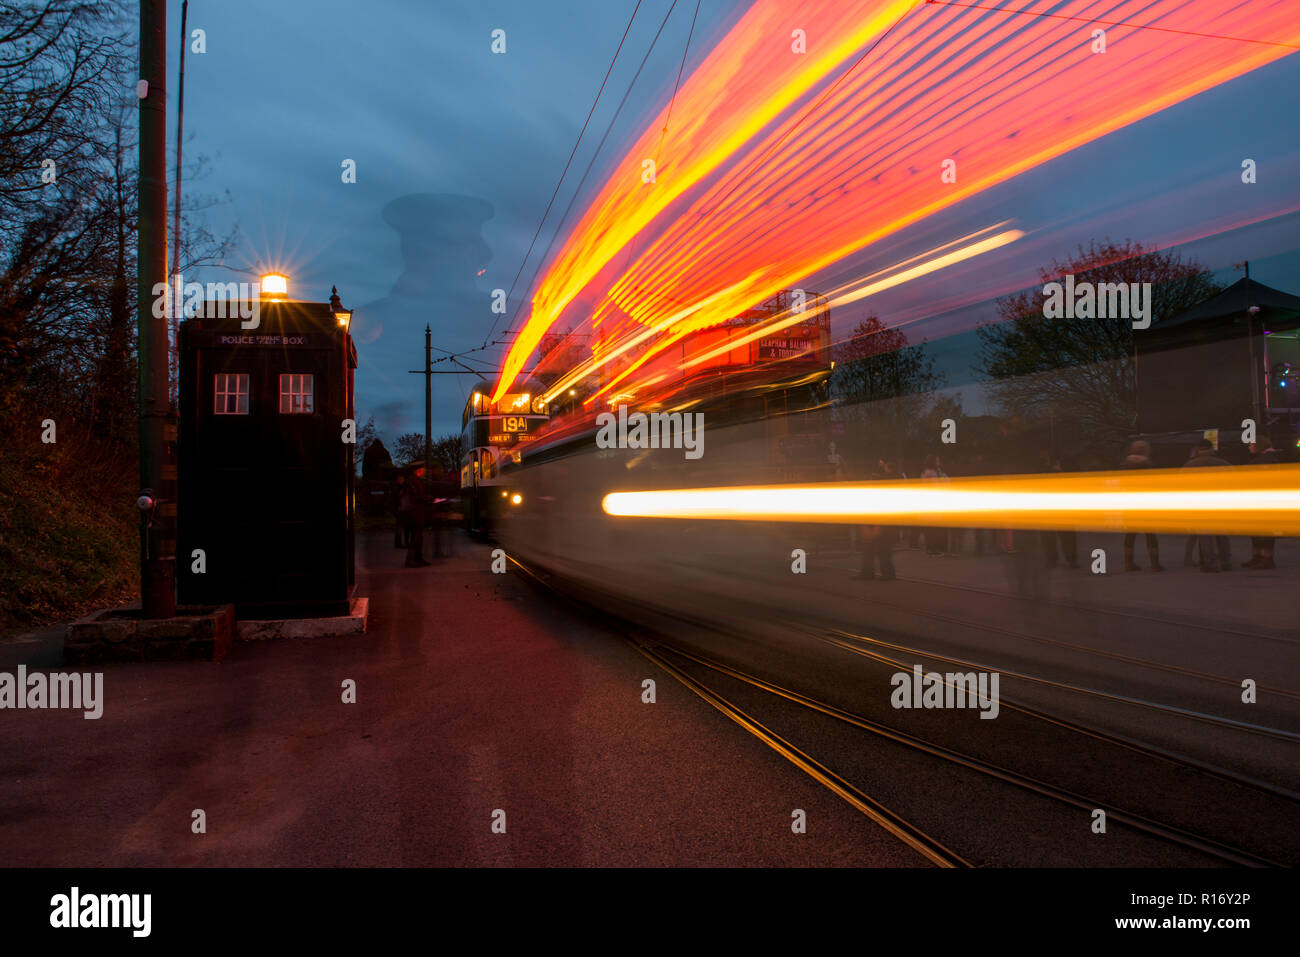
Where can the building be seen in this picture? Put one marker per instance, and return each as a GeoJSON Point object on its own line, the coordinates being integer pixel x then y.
{"type": "Point", "coordinates": [265, 494]}
{"type": "Point", "coordinates": [1225, 360]}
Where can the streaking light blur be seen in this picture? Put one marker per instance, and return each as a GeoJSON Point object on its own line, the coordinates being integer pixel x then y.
{"type": "Point", "coordinates": [1263, 500]}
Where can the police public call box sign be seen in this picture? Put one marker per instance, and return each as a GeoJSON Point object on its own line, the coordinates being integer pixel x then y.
{"type": "Point", "coordinates": [304, 340]}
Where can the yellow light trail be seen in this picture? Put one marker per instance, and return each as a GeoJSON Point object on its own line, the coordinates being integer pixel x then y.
{"type": "Point", "coordinates": [1260, 500]}
{"type": "Point", "coordinates": [860, 289]}
{"type": "Point", "coordinates": [705, 139]}
{"type": "Point", "coordinates": [631, 341]}
{"type": "Point", "coordinates": [762, 175]}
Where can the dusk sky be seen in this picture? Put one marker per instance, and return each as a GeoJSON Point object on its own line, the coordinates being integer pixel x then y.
{"type": "Point", "coordinates": [845, 413]}
{"type": "Point", "coordinates": [458, 149]}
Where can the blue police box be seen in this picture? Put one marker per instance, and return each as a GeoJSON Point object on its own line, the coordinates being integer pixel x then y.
{"type": "Point", "coordinates": [265, 500]}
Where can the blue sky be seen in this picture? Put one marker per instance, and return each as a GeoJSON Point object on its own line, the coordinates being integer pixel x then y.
{"type": "Point", "coordinates": [457, 151]}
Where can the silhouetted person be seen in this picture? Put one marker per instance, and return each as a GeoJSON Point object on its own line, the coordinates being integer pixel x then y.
{"type": "Point", "coordinates": [1139, 457]}
{"type": "Point", "coordinates": [413, 502]}
{"type": "Point", "coordinates": [878, 545]}
{"type": "Point", "coordinates": [1203, 457]}
{"type": "Point", "coordinates": [936, 539]}
{"type": "Point", "coordinates": [1018, 456]}
{"type": "Point", "coordinates": [1279, 450]}
{"type": "Point", "coordinates": [1067, 538]}
{"type": "Point", "coordinates": [985, 538]}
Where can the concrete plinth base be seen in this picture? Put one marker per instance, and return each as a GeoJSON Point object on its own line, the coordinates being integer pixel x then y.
{"type": "Point", "coordinates": [353, 623]}
{"type": "Point", "coordinates": [120, 634]}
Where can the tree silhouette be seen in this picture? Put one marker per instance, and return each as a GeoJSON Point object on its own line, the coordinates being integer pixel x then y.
{"type": "Point", "coordinates": [883, 387]}
{"type": "Point", "coordinates": [1081, 372]}
{"type": "Point", "coordinates": [409, 448]}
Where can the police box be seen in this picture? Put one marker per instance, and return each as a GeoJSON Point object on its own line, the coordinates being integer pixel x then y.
{"type": "Point", "coordinates": [265, 511]}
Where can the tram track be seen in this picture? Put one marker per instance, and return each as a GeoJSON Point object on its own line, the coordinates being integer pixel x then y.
{"type": "Point", "coordinates": [1166, 709]}
{"type": "Point", "coordinates": [703, 674]}
{"type": "Point", "coordinates": [1093, 608]}
{"type": "Point", "coordinates": [1092, 730]}
{"type": "Point", "coordinates": [923, 843]}
{"type": "Point", "coordinates": [1026, 782]}
{"type": "Point", "coordinates": [1074, 647]}
{"type": "Point", "coordinates": [1084, 649]}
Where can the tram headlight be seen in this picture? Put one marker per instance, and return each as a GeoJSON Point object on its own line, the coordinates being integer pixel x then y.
{"type": "Point", "coordinates": [516, 499]}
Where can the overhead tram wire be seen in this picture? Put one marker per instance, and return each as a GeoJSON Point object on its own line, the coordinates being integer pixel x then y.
{"type": "Point", "coordinates": [676, 86]}
{"type": "Point", "coordinates": [764, 155]}
{"type": "Point", "coordinates": [608, 129]}
{"type": "Point", "coordinates": [627, 261]}
{"type": "Point", "coordinates": [568, 163]}
{"type": "Point", "coordinates": [1111, 23]}
{"type": "Point", "coordinates": [829, 90]}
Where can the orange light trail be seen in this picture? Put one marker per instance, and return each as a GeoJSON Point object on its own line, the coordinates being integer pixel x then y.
{"type": "Point", "coordinates": [704, 137]}
{"type": "Point", "coordinates": [917, 266]}
{"type": "Point", "coordinates": [632, 340]}
{"type": "Point", "coordinates": [1263, 500]}
{"type": "Point", "coordinates": [756, 192]}
{"type": "Point", "coordinates": [852, 292]}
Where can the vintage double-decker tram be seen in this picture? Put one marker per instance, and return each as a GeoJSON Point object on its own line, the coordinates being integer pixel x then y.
{"type": "Point", "coordinates": [492, 434]}
{"type": "Point", "coordinates": [758, 387]}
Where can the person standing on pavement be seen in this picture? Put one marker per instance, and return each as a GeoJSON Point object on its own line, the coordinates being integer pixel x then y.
{"type": "Point", "coordinates": [1261, 547]}
{"type": "Point", "coordinates": [877, 543]}
{"type": "Point", "coordinates": [1203, 457]}
{"type": "Point", "coordinates": [414, 511]}
{"type": "Point", "coordinates": [1066, 538]}
{"type": "Point", "coordinates": [936, 539]}
{"type": "Point", "coordinates": [1139, 457]}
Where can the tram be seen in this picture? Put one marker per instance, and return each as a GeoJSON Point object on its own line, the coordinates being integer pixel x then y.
{"type": "Point", "coordinates": [493, 433]}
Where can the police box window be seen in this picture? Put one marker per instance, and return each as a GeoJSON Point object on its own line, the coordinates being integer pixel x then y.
{"type": "Point", "coordinates": [295, 393]}
{"type": "Point", "coordinates": [230, 393]}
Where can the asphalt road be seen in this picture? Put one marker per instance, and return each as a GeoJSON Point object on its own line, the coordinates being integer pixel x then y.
{"type": "Point", "coordinates": [474, 693]}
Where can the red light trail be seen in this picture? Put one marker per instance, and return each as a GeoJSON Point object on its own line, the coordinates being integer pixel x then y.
{"type": "Point", "coordinates": [756, 192]}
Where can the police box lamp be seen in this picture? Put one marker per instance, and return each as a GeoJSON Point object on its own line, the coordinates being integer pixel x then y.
{"type": "Point", "coordinates": [274, 286]}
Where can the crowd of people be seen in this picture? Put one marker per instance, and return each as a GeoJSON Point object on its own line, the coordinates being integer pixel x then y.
{"type": "Point", "coordinates": [1209, 552]}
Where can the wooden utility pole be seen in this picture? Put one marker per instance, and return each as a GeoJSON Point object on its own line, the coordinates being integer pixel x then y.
{"type": "Point", "coordinates": [428, 402]}
{"type": "Point", "coordinates": [1255, 372]}
{"type": "Point", "coordinates": [175, 332]}
{"type": "Point", "coordinates": [157, 500]}
{"type": "Point", "coordinates": [428, 373]}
